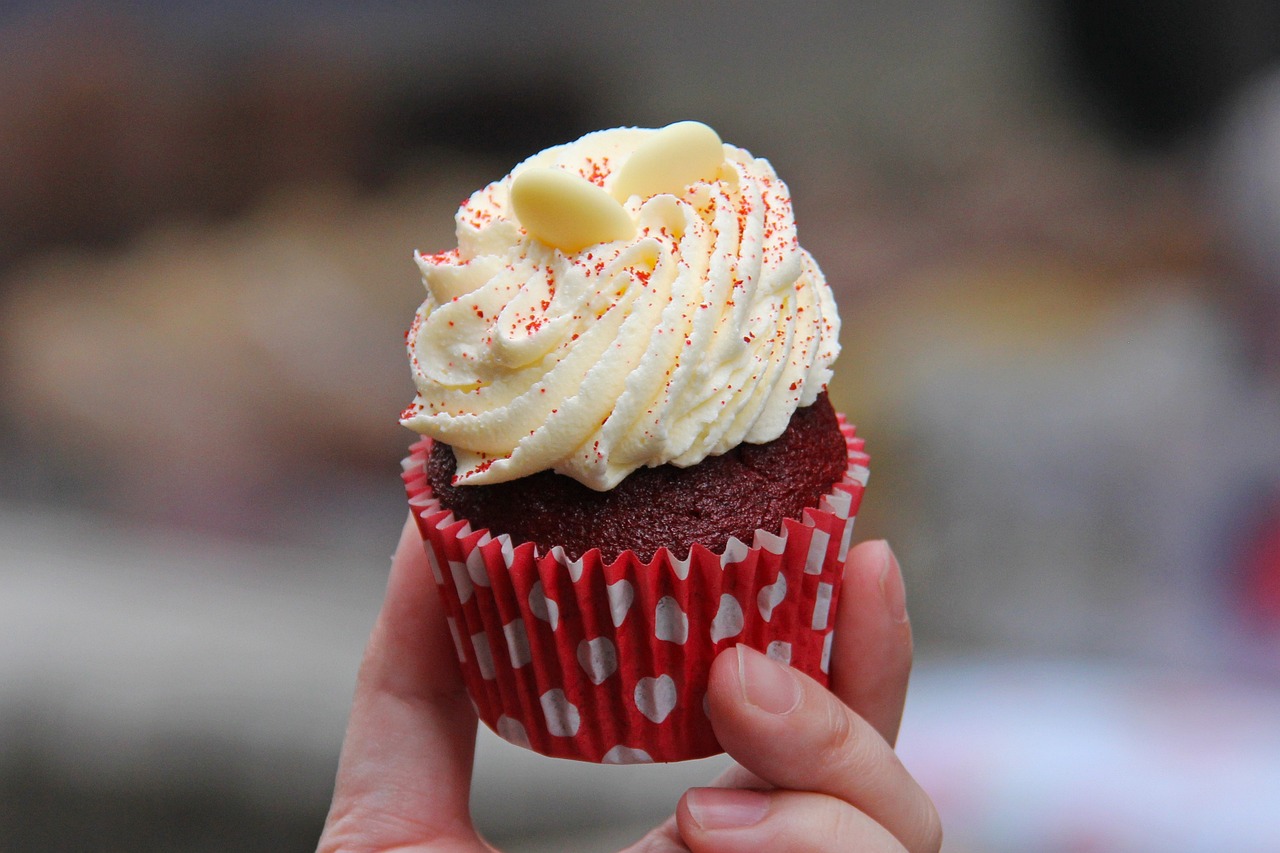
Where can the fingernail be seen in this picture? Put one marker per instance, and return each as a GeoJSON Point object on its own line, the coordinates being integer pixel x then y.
{"type": "Point", "coordinates": [767, 684]}
{"type": "Point", "coordinates": [891, 588]}
{"type": "Point", "coordinates": [726, 808]}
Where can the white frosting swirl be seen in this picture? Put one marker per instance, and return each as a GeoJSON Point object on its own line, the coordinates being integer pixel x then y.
{"type": "Point", "coordinates": [706, 328]}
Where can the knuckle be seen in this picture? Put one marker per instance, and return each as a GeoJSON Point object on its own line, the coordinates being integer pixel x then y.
{"type": "Point", "coordinates": [846, 743]}
{"type": "Point", "coordinates": [837, 825]}
{"type": "Point", "coordinates": [930, 828]}
{"type": "Point", "coordinates": [842, 827]}
{"type": "Point", "coordinates": [909, 643]}
{"type": "Point", "coordinates": [840, 730]}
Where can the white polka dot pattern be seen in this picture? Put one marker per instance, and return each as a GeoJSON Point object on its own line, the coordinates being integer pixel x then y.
{"type": "Point", "coordinates": [512, 730]}
{"type": "Point", "coordinates": [817, 553]}
{"type": "Point", "coordinates": [822, 606]}
{"type": "Point", "coordinates": [680, 567]}
{"type": "Point", "coordinates": [780, 651]}
{"type": "Point", "coordinates": [770, 542]}
{"type": "Point", "coordinates": [734, 552]}
{"type": "Point", "coordinates": [626, 755]}
{"type": "Point", "coordinates": [517, 642]}
{"type": "Point", "coordinates": [461, 581]}
{"type": "Point", "coordinates": [670, 623]}
{"type": "Point", "coordinates": [656, 697]}
{"type": "Point", "coordinates": [562, 715]}
{"type": "Point", "coordinates": [729, 621]}
{"type": "Point", "coordinates": [771, 596]}
{"type": "Point", "coordinates": [608, 662]}
{"type": "Point", "coordinates": [598, 658]}
{"type": "Point", "coordinates": [435, 565]}
{"type": "Point", "coordinates": [484, 656]}
{"type": "Point", "coordinates": [476, 569]}
{"type": "Point", "coordinates": [542, 607]}
{"type": "Point", "coordinates": [846, 539]}
{"type": "Point", "coordinates": [621, 596]}
{"type": "Point", "coordinates": [457, 639]}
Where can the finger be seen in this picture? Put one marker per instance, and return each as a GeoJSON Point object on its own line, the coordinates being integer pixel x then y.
{"type": "Point", "coordinates": [728, 820]}
{"type": "Point", "coordinates": [784, 727]}
{"type": "Point", "coordinates": [405, 772]}
{"type": "Point", "coordinates": [871, 655]}
{"type": "Point", "coordinates": [871, 652]}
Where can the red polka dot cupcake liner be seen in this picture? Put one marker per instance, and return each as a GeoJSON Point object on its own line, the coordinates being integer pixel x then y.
{"type": "Point", "coordinates": [608, 662]}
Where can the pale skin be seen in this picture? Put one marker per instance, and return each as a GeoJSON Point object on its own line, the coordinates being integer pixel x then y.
{"type": "Point", "coordinates": [815, 769]}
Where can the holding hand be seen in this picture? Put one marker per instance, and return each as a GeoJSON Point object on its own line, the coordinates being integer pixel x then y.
{"type": "Point", "coordinates": [815, 769]}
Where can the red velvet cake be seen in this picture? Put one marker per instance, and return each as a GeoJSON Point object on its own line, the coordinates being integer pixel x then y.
{"type": "Point", "coordinates": [752, 486]}
{"type": "Point", "coordinates": [629, 463]}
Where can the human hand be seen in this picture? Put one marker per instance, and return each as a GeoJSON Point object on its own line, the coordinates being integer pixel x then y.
{"type": "Point", "coordinates": [815, 769]}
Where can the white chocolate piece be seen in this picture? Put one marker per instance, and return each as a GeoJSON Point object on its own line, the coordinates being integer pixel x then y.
{"type": "Point", "coordinates": [670, 160]}
{"type": "Point", "coordinates": [566, 211]}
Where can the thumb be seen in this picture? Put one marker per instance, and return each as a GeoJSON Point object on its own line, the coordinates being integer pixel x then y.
{"type": "Point", "coordinates": [404, 778]}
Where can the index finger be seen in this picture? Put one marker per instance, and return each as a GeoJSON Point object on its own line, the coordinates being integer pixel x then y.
{"type": "Point", "coordinates": [872, 649]}
{"type": "Point", "coordinates": [790, 732]}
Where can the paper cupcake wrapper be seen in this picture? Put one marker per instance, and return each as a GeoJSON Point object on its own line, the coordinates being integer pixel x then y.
{"type": "Point", "coordinates": [609, 663]}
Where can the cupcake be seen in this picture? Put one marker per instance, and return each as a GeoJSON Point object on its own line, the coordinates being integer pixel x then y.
{"type": "Point", "coordinates": [629, 462]}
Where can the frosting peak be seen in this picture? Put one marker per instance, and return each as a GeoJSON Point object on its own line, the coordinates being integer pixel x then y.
{"type": "Point", "coordinates": [633, 298]}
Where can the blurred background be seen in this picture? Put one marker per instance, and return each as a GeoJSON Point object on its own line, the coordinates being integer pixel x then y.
{"type": "Point", "coordinates": [1053, 229]}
